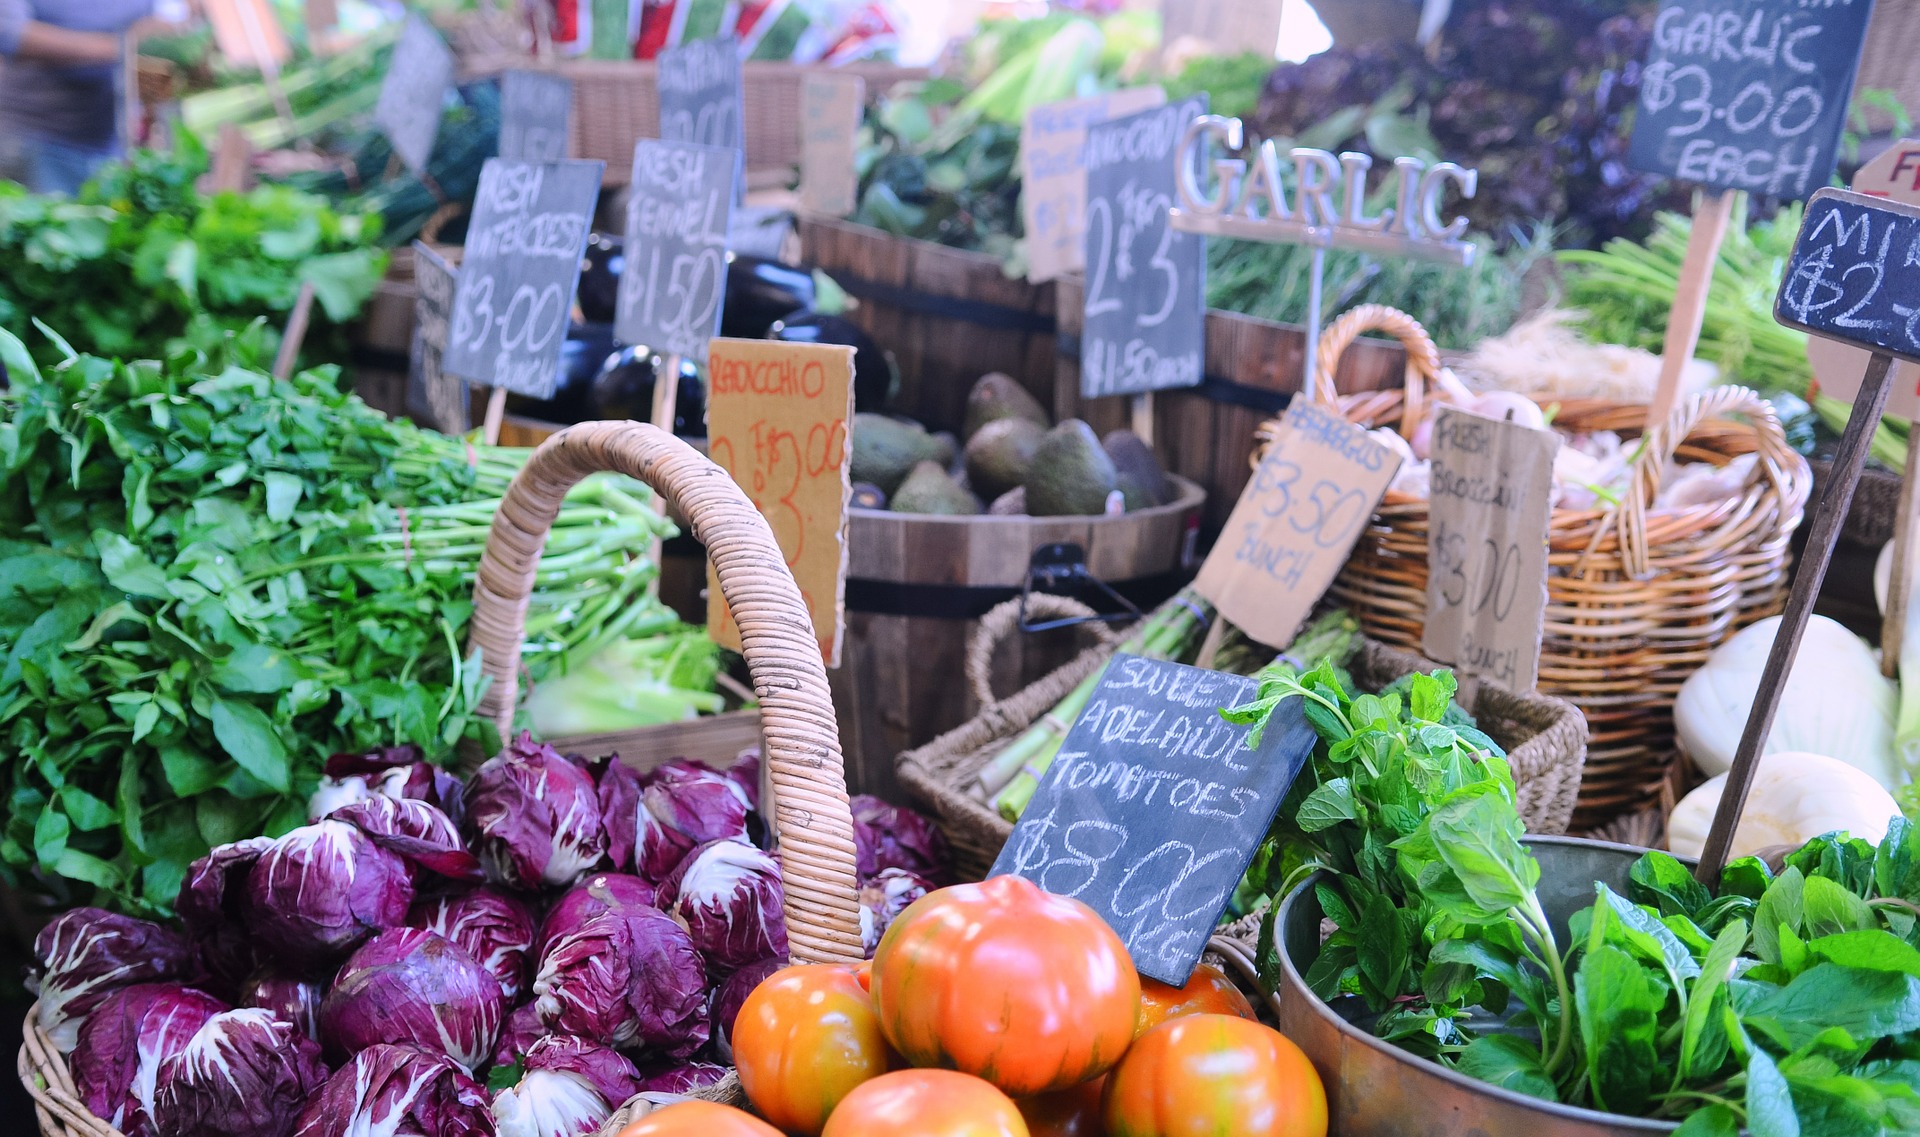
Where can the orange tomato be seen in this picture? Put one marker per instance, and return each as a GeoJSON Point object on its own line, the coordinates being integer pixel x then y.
{"type": "Point", "coordinates": [699, 1119]}
{"type": "Point", "coordinates": [803, 1040]}
{"type": "Point", "coordinates": [1031, 991]}
{"type": "Point", "coordinates": [926, 1103]}
{"type": "Point", "coordinates": [1201, 1075]}
{"type": "Point", "coordinates": [1072, 1112]}
{"type": "Point", "coordinates": [1208, 992]}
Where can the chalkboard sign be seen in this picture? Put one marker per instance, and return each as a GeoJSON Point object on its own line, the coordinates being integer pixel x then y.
{"type": "Point", "coordinates": [534, 108]}
{"type": "Point", "coordinates": [1053, 175]}
{"type": "Point", "coordinates": [676, 252]}
{"type": "Point", "coordinates": [434, 398]}
{"type": "Point", "coordinates": [1855, 273]}
{"type": "Point", "coordinates": [414, 93]}
{"type": "Point", "coordinates": [1745, 95]}
{"type": "Point", "coordinates": [522, 260]}
{"type": "Point", "coordinates": [1146, 305]}
{"type": "Point", "coordinates": [1153, 808]}
{"type": "Point", "coordinates": [701, 94]}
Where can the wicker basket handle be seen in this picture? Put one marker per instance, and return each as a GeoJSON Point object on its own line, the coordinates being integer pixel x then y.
{"type": "Point", "coordinates": [1423, 358]}
{"type": "Point", "coordinates": [802, 741]}
{"type": "Point", "coordinates": [1004, 619]}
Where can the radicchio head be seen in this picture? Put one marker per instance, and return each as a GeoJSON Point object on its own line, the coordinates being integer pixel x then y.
{"type": "Point", "coordinates": [889, 837]}
{"type": "Point", "coordinates": [323, 889]}
{"type": "Point", "coordinates": [126, 1039]}
{"type": "Point", "coordinates": [494, 927]}
{"type": "Point", "coordinates": [684, 805]}
{"type": "Point", "coordinates": [682, 1079]}
{"type": "Point", "coordinates": [731, 995]}
{"type": "Point", "coordinates": [729, 896]}
{"type": "Point", "coordinates": [88, 953]}
{"type": "Point", "coordinates": [213, 909]}
{"type": "Point", "coordinates": [243, 1074]}
{"type": "Point", "coordinates": [391, 771]}
{"type": "Point", "coordinates": [522, 1029]}
{"type": "Point", "coordinates": [591, 897]}
{"type": "Point", "coordinates": [533, 816]}
{"type": "Point", "coordinates": [628, 977]}
{"type": "Point", "coordinates": [295, 1001]}
{"type": "Point", "coordinates": [415, 830]}
{"type": "Point", "coordinates": [883, 898]}
{"type": "Point", "coordinates": [398, 1090]}
{"type": "Point", "coordinates": [409, 985]}
{"type": "Point", "coordinates": [569, 1087]}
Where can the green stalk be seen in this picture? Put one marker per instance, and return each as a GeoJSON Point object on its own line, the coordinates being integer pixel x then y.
{"type": "Point", "coordinates": [1534, 921]}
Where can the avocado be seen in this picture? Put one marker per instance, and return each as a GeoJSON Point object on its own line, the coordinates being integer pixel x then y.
{"type": "Point", "coordinates": [1000, 454]}
{"type": "Point", "coordinates": [997, 396]}
{"type": "Point", "coordinates": [948, 454]}
{"type": "Point", "coordinates": [928, 489]}
{"type": "Point", "coordinates": [1142, 480]}
{"type": "Point", "coordinates": [1013, 503]}
{"type": "Point", "coordinates": [1071, 474]}
{"type": "Point", "coordinates": [885, 449]}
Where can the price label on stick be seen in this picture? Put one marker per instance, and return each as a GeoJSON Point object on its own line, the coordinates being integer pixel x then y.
{"type": "Point", "coordinates": [830, 110]}
{"type": "Point", "coordinates": [522, 260]}
{"type": "Point", "coordinates": [675, 278]}
{"type": "Point", "coordinates": [1146, 305]}
{"type": "Point", "coordinates": [1152, 809]}
{"type": "Point", "coordinates": [1746, 95]}
{"type": "Point", "coordinates": [434, 398]}
{"type": "Point", "coordinates": [701, 94]}
{"type": "Point", "coordinates": [1487, 562]}
{"type": "Point", "coordinates": [1295, 523]}
{"type": "Point", "coordinates": [1053, 175]}
{"type": "Point", "coordinates": [1854, 275]}
{"type": "Point", "coordinates": [414, 92]}
{"type": "Point", "coordinates": [777, 421]}
{"type": "Point", "coordinates": [534, 111]}
{"type": "Point", "coordinates": [1837, 367]}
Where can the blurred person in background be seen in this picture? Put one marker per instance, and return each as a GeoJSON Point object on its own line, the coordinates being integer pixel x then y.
{"type": "Point", "coordinates": [60, 96]}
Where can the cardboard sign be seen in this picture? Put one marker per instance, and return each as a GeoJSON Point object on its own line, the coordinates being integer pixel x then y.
{"type": "Point", "coordinates": [1053, 175]}
{"type": "Point", "coordinates": [1296, 522]}
{"type": "Point", "coordinates": [676, 251]}
{"type": "Point", "coordinates": [1492, 500]}
{"type": "Point", "coordinates": [1854, 274]}
{"type": "Point", "coordinates": [414, 91]}
{"type": "Point", "coordinates": [778, 418]}
{"type": "Point", "coordinates": [1146, 304]}
{"type": "Point", "coordinates": [434, 398]}
{"type": "Point", "coordinates": [522, 260]}
{"type": "Point", "coordinates": [534, 110]}
{"type": "Point", "coordinates": [831, 107]}
{"type": "Point", "coordinates": [1153, 808]}
{"type": "Point", "coordinates": [1748, 94]}
{"type": "Point", "coordinates": [1837, 367]}
{"type": "Point", "coordinates": [701, 94]}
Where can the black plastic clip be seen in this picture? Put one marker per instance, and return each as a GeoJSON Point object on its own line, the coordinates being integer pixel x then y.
{"type": "Point", "coordinates": [1062, 569]}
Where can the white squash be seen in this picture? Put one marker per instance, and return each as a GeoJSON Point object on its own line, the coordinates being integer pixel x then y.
{"type": "Point", "coordinates": [1795, 798]}
{"type": "Point", "coordinates": [1835, 701]}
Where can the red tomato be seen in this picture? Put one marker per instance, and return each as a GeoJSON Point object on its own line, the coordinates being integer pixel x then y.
{"type": "Point", "coordinates": [1031, 991]}
{"type": "Point", "coordinates": [1208, 992]}
{"type": "Point", "coordinates": [699, 1119]}
{"type": "Point", "coordinates": [926, 1103]}
{"type": "Point", "coordinates": [804, 1038]}
{"type": "Point", "coordinates": [1202, 1075]}
{"type": "Point", "coordinates": [1072, 1112]}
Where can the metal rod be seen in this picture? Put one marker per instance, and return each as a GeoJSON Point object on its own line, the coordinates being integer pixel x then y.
{"type": "Point", "coordinates": [1316, 279]}
{"type": "Point", "coordinates": [1828, 518]}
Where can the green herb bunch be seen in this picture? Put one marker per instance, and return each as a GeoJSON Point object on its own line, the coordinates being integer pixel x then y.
{"type": "Point", "coordinates": [1784, 1005]}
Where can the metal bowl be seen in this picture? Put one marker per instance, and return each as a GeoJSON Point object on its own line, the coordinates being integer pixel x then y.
{"type": "Point", "coordinates": [1375, 1089]}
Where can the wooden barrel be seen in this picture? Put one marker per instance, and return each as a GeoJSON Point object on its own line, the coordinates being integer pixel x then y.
{"type": "Point", "coordinates": [918, 583]}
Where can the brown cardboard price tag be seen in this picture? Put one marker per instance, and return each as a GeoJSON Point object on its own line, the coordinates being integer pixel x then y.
{"type": "Point", "coordinates": [830, 111]}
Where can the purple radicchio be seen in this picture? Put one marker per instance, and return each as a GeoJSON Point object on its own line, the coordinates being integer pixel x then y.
{"type": "Point", "coordinates": [398, 1091]}
{"type": "Point", "coordinates": [294, 1001]}
{"type": "Point", "coordinates": [323, 889]}
{"type": "Point", "coordinates": [618, 787]}
{"type": "Point", "coordinates": [889, 837]}
{"type": "Point", "coordinates": [683, 1079]}
{"type": "Point", "coordinates": [883, 898]}
{"type": "Point", "coordinates": [243, 1074]}
{"type": "Point", "coordinates": [728, 894]}
{"type": "Point", "coordinates": [391, 771]}
{"type": "Point", "coordinates": [88, 953]}
{"type": "Point", "coordinates": [590, 898]}
{"type": "Point", "coordinates": [731, 995]}
{"type": "Point", "coordinates": [415, 830]}
{"type": "Point", "coordinates": [494, 927]}
{"type": "Point", "coordinates": [685, 805]}
{"type": "Point", "coordinates": [126, 1039]}
{"type": "Point", "coordinates": [745, 773]}
{"type": "Point", "coordinates": [522, 1029]}
{"type": "Point", "coordinates": [410, 985]}
{"type": "Point", "coordinates": [568, 1089]}
{"type": "Point", "coordinates": [628, 977]}
{"type": "Point", "coordinates": [212, 907]}
{"type": "Point", "coordinates": [533, 816]}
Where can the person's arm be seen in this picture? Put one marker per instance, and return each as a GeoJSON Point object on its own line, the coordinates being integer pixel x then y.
{"type": "Point", "coordinates": [48, 43]}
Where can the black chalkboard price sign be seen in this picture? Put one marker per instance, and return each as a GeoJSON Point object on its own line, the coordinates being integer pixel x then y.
{"type": "Point", "coordinates": [678, 205]}
{"type": "Point", "coordinates": [1154, 806]}
{"type": "Point", "coordinates": [414, 92]}
{"type": "Point", "coordinates": [701, 94]}
{"type": "Point", "coordinates": [534, 109]}
{"type": "Point", "coordinates": [1855, 274]}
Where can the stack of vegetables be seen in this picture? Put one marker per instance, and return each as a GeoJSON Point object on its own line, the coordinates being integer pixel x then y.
{"type": "Point", "coordinates": [567, 933]}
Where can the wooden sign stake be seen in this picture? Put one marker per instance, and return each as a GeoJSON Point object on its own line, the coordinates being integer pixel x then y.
{"type": "Point", "coordinates": [1711, 215]}
{"type": "Point", "coordinates": [296, 332]}
{"type": "Point", "coordinates": [1906, 567]}
{"type": "Point", "coordinates": [1143, 416]}
{"type": "Point", "coordinates": [496, 411]}
{"type": "Point", "coordinates": [1828, 518]}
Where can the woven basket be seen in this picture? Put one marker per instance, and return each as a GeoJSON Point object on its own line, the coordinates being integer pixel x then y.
{"type": "Point", "coordinates": [1636, 597]}
{"type": "Point", "coordinates": [809, 815]}
{"type": "Point", "coordinates": [1545, 738]}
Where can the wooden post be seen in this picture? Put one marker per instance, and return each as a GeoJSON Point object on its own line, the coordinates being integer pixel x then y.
{"type": "Point", "coordinates": [666, 392]}
{"type": "Point", "coordinates": [296, 333]}
{"type": "Point", "coordinates": [496, 410]}
{"type": "Point", "coordinates": [1711, 215]}
{"type": "Point", "coordinates": [1143, 417]}
{"type": "Point", "coordinates": [232, 162]}
{"type": "Point", "coordinates": [1906, 567]}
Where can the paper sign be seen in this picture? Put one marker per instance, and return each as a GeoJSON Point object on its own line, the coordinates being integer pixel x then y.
{"type": "Point", "coordinates": [1295, 523]}
{"type": "Point", "coordinates": [830, 110]}
{"type": "Point", "coordinates": [777, 421]}
{"type": "Point", "coordinates": [1146, 304]}
{"type": "Point", "coordinates": [1838, 367]}
{"type": "Point", "coordinates": [1748, 94]}
{"type": "Point", "coordinates": [414, 91]}
{"type": "Point", "coordinates": [1053, 175]}
{"type": "Point", "coordinates": [534, 109]}
{"type": "Point", "coordinates": [517, 276]}
{"type": "Point", "coordinates": [1152, 809]}
{"type": "Point", "coordinates": [676, 251]}
{"type": "Point", "coordinates": [1854, 274]}
{"type": "Point", "coordinates": [1492, 500]}
{"type": "Point", "coordinates": [434, 398]}
{"type": "Point", "coordinates": [701, 94]}
{"type": "Point", "coordinates": [248, 33]}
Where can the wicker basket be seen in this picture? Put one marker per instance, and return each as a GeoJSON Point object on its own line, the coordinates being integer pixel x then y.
{"type": "Point", "coordinates": [1636, 597]}
{"type": "Point", "coordinates": [1545, 737]}
{"type": "Point", "coordinates": [810, 814]}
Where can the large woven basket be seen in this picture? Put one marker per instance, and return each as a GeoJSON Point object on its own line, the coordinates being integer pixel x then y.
{"type": "Point", "coordinates": [809, 815]}
{"type": "Point", "coordinates": [1636, 597]}
{"type": "Point", "coordinates": [1545, 738]}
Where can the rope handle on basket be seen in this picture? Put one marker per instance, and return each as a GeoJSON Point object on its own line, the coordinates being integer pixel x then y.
{"type": "Point", "coordinates": [1004, 618]}
{"type": "Point", "coordinates": [811, 814]}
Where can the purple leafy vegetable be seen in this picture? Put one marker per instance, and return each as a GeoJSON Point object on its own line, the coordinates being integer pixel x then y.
{"type": "Point", "coordinates": [533, 816]}
{"type": "Point", "coordinates": [415, 830]}
{"type": "Point", "coordinates": [731, 995]}
{"type": "Point", "coordinates": [494, 927]}
{"type": "Point", "coordinates": [294, 1001]}
{"type": "Point", "coordinates": [628, 977]}
{"type": "Point", "coordinates": [745, 773]}
{"type": "Point", "coordinates": [728, 894]}
{"type": "Point", "coordinates": [410, 985]}
{"type": "Point", "coordinates": [213, 909]}
{"type": "Point", "coordinates": [685, 805]}
{"type": "Point", "coordinates": [682, 1079]}
{"type": "Point", "coordinates": [243, 1074]}
{"type": "Point", "coordinates": [126, 1039]}
{"type": "Point", "coordinates": [569, 1088]}
{"type": "Point", "coordinates": [391, 771]}
{"type": "Point", "coordinates": [590, 898]}
{"type": "Point", "coordinates": [323, 889]}
{"type": "Point", "coordinates": [888, 837]}
{"type": "Point", "coordinates": [522, 1029]}
{"type": "Point", "coordinates": [398, 1090]}
{"type": "Point", "coordinates": [618, 787]}
{"type": "Point", "coordinates": [88, 953]}
{"type": "Point", "coordinates": [883, 898]}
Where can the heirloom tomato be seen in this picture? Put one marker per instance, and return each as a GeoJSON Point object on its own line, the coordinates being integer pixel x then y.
{"type": "Point", "coordinates": [1072, 1112]}
{"type": "Point", "coordinates": [926, 1103]}
{"type": "Point", "coordinates": [699, 1119]}
{"type": "Point", "coordinates": [1201, 1075]}
{"type": "Point", "coordinates": [803, 1040]}
{"type": "Point", "coordinates": [1031, 991]}
{"type": "Point", "coordinates": [1208, 992]}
